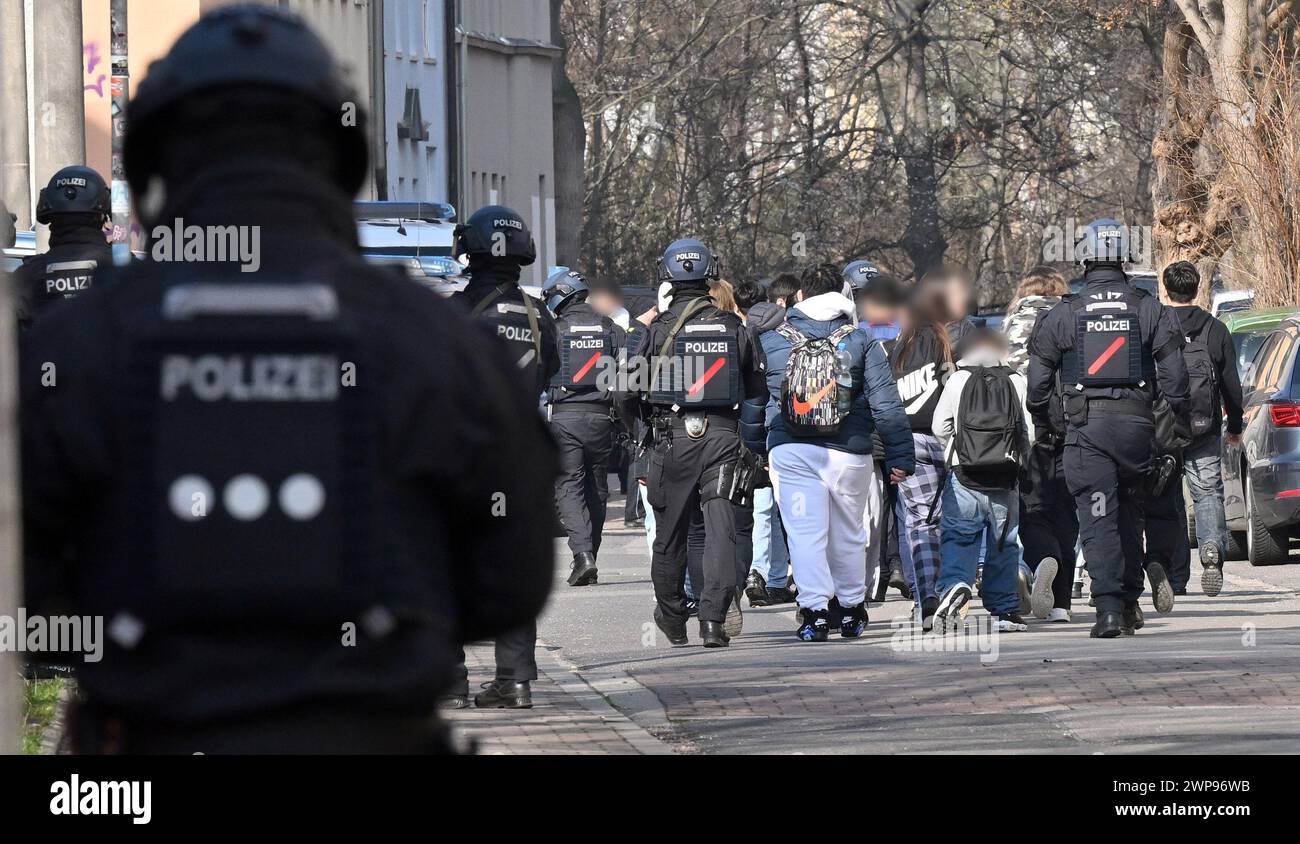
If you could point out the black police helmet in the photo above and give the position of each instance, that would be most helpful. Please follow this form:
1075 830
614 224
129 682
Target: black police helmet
1104 241
860 273
241 46
561 286
498 234
74 190
687 260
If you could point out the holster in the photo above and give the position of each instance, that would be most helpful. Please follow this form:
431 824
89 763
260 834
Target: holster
1158 478
732 481
1075 406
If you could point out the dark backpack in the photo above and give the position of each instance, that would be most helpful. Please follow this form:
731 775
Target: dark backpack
1203 382
990 420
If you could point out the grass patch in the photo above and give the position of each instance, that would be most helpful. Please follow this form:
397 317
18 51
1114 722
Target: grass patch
40 698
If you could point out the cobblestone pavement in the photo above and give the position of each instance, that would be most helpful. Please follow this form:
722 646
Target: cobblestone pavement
1216 675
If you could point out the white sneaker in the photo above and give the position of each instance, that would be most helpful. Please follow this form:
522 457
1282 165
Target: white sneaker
1041 597
1059 615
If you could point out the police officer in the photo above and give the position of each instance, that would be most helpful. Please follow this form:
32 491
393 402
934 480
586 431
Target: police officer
75 205
702 364
497 244
276 487
1118 354
580 404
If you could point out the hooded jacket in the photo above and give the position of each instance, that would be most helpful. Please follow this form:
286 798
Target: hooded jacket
763 317
876 405
947 416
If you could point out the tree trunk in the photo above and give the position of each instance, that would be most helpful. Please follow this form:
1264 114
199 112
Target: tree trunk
923 240
570 136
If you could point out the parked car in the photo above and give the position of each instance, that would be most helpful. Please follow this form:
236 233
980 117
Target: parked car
1249 329
1227 301
414 235
1261 474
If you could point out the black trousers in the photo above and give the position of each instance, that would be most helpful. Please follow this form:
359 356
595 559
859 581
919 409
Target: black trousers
677 465
581 490
1049 523
1166 530
1105 462
890 560
516 658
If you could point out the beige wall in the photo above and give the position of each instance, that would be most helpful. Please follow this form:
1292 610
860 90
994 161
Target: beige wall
508 147
154 25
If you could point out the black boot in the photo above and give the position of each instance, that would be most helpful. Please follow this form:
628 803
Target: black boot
584 569
1109 625
505 694
713 634
1131 620
756 589
675 631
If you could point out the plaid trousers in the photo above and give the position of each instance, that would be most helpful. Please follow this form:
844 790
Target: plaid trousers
918 540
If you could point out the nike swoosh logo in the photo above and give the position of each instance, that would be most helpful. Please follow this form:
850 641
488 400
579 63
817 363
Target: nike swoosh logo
804 407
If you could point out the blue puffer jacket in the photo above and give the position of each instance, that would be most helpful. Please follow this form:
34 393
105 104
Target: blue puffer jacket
763 317
876 405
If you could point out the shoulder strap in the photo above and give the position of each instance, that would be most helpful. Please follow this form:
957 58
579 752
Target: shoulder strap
689 311
840 333
791 334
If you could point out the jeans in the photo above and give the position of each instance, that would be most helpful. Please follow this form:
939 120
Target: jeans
969 516
771 556
1205 483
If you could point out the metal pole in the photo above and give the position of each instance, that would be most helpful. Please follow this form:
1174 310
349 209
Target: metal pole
15 175
121 91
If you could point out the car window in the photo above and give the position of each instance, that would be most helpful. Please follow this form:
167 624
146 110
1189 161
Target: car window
1247 345
1256 365
1272 359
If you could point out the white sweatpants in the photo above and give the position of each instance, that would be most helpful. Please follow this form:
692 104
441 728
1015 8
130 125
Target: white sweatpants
823 494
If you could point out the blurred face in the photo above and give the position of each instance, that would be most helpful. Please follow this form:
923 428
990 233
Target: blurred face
603 302
957 294
876 313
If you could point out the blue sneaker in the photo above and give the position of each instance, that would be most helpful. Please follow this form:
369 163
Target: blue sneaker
853 621
814 627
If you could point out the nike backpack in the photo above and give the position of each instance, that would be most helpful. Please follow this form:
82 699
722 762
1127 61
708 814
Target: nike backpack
989 422
817 387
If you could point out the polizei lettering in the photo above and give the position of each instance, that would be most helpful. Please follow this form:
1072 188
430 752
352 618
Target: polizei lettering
514 332
67 284
698 348
251 377
1106 325
596 343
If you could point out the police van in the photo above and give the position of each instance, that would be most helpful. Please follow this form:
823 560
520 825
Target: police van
414 235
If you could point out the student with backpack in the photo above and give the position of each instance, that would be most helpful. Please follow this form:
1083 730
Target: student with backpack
830 387
981 422
1216 401
922 358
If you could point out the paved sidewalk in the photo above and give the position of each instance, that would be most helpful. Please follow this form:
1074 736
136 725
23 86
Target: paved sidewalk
1217 675
568 716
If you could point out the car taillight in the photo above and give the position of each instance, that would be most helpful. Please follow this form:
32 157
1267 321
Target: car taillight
1285 414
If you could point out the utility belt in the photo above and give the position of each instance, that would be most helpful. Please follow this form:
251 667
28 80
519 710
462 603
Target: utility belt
1078 408
733 481
695 423
576 408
